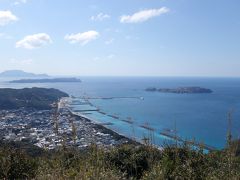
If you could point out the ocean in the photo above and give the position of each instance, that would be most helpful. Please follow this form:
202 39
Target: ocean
202 117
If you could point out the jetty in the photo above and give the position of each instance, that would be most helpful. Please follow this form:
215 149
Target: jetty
170 133
146 126
127 121
113 116
101 112
110 98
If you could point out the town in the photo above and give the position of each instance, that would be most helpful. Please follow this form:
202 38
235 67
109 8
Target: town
51 129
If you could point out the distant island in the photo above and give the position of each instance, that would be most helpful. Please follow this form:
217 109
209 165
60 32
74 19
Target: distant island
52 80
36 98
20 73
181 90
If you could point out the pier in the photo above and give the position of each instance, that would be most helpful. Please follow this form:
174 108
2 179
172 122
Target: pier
102 112
146 126
113 116
127 121
109 98
166 132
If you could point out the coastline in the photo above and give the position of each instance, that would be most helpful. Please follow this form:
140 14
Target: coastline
64 102
117 136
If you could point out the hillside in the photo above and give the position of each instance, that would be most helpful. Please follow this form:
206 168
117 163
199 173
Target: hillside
37 98
23 161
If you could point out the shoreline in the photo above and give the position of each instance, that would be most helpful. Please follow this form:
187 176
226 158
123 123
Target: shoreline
133 140
115 134
104 129
119 136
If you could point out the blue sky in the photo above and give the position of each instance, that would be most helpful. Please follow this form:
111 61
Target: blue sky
121 38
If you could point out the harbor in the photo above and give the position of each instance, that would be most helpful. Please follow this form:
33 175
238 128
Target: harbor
88 110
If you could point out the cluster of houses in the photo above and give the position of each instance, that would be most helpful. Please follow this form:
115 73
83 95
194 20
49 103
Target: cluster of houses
51 129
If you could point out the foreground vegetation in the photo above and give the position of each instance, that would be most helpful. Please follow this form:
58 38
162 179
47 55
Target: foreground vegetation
23 161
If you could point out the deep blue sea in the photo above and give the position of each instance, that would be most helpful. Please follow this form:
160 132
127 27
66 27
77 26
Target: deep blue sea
202 117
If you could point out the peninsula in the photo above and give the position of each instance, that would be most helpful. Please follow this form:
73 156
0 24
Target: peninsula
35 98
48 80
181 90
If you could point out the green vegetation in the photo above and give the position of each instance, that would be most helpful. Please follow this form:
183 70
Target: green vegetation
123 162
19 160
37 98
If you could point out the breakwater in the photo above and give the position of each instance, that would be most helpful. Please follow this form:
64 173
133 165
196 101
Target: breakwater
110 98
111 119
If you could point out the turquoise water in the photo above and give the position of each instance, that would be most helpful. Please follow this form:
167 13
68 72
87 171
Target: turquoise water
199 116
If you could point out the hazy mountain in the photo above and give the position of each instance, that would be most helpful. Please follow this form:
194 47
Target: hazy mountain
20 73
54 80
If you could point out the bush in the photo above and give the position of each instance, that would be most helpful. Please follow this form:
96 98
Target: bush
15 164
123 162
133 161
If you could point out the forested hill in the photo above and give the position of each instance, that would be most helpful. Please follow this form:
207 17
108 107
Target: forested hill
37 98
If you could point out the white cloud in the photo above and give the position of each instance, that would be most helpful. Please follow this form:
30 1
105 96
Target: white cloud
100 17
34 41
82 38
110 41
6 17
18 2
144 15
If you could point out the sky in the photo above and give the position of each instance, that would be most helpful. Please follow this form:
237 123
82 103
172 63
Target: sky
121 38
